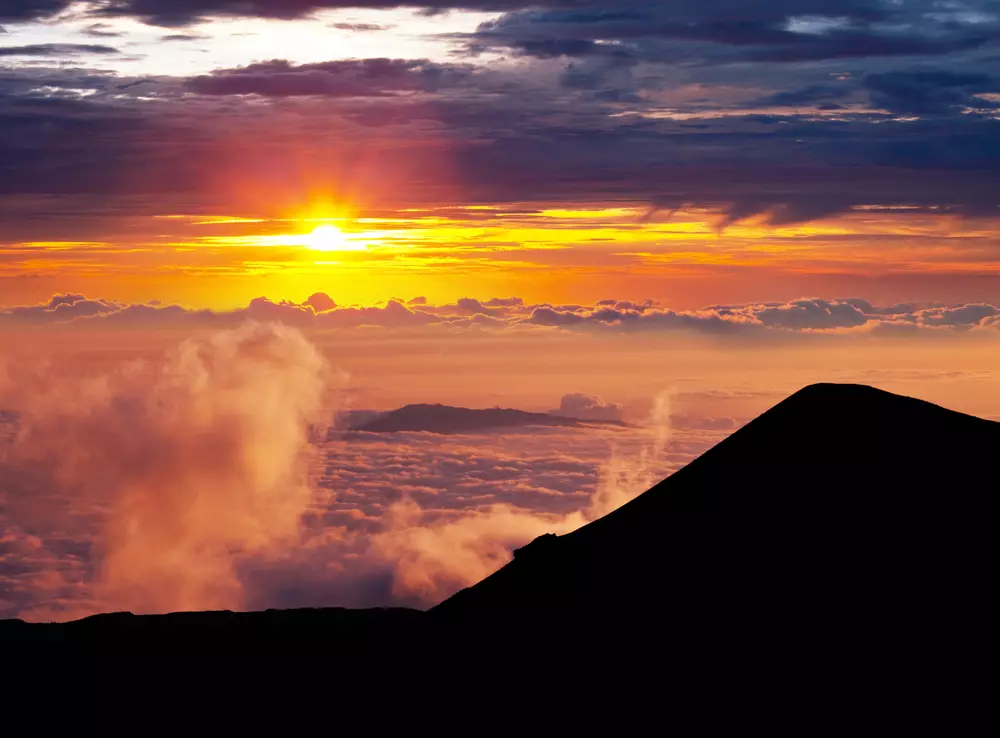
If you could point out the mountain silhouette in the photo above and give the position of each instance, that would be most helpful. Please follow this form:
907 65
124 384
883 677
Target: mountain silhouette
843 516
446 420
844 520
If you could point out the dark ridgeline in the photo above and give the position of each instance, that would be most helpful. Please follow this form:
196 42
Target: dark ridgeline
444 419
846 522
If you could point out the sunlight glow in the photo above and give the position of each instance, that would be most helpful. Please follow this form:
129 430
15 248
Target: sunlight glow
330 238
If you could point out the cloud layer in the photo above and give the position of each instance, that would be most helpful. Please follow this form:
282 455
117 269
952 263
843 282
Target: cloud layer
191 482
807 315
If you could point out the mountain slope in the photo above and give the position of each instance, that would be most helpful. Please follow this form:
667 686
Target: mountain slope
844 510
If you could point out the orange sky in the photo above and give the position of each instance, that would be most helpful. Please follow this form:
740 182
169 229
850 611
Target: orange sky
539 253
185 154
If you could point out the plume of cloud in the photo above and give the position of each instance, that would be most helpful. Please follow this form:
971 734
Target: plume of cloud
626 476
196 459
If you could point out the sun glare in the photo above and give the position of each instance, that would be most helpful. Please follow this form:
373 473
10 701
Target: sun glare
331 238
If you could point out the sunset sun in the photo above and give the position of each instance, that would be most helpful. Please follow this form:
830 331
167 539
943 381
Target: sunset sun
331 238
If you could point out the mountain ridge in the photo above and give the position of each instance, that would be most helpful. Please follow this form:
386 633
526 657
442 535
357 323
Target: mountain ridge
824 464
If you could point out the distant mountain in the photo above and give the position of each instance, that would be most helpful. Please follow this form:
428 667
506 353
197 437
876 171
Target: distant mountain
444 419
846 537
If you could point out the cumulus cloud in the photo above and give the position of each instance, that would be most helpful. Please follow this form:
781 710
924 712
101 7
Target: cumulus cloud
321 302
504 302
62 308
589 407
815 314
196 460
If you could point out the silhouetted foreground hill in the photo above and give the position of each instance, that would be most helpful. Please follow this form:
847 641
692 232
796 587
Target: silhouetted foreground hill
843 516
845 520
447 420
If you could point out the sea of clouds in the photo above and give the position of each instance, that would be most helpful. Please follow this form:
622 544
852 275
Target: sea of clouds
205 479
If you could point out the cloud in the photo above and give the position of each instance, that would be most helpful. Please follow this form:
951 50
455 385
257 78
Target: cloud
815 314
321 302
803 316
822 94
343 78
535 131
724 32
182 37
215 497
197 459
56 50
504 302
589 407
964 316
928 92
62 308
171 13
18 11
102 30
643 319
359 27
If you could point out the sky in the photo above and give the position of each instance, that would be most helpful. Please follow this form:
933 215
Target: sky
224 223
693 152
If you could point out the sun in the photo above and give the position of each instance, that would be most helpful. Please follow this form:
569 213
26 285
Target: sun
331 238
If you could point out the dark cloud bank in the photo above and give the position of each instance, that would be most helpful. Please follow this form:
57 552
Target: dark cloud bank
793 109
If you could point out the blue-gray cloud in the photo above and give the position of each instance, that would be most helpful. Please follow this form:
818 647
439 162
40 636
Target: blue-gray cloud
29 10
670 104
56 50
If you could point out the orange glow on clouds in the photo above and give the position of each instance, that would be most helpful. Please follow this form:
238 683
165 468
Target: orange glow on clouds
540 252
